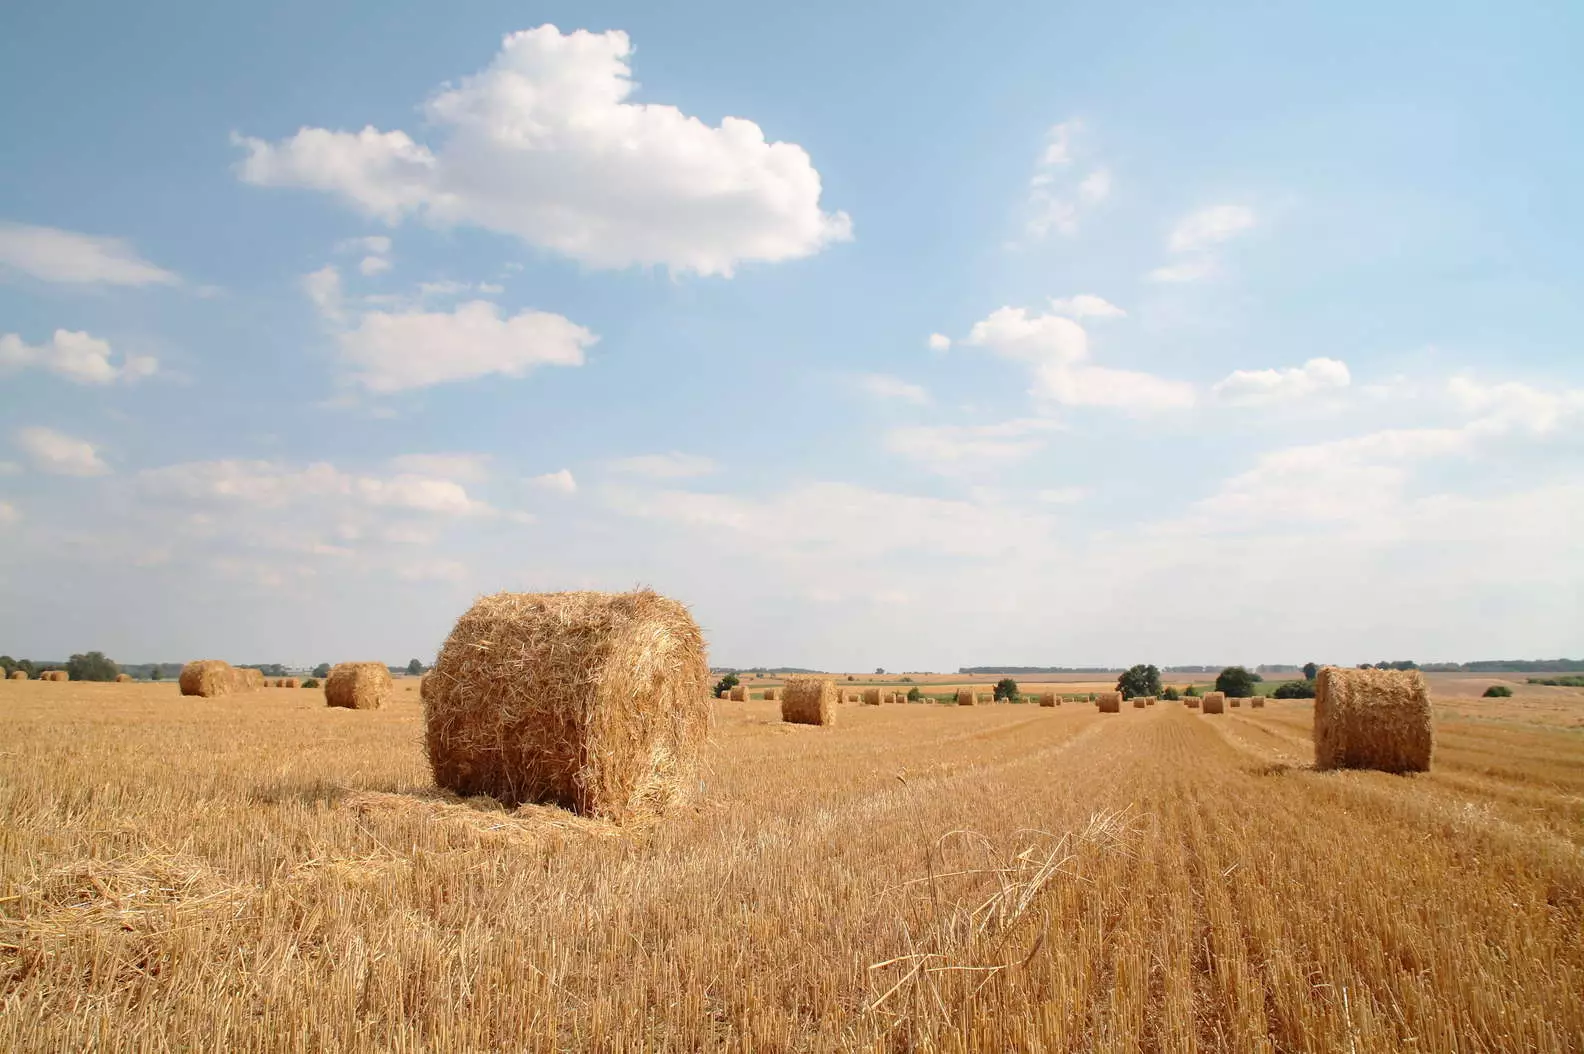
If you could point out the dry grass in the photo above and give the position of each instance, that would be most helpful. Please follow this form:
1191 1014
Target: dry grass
271 874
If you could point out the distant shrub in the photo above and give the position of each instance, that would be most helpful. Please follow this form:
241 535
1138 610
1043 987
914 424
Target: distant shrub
1559 682
1169 693
310 683
1191 692
1498 691
1295 690
1007 689
914 695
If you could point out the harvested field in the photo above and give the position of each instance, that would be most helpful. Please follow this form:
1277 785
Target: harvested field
1155 883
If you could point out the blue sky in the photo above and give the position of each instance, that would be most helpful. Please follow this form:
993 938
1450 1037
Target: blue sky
899 335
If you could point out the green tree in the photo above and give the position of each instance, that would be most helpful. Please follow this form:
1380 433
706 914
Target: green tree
1294 690
322 670
414 668
156 673
1310 671
1236 682
91 667
914 695
1498 691
1139 680
1191 692
7 664
1006 688
726 684
879 671
310 683
1168 693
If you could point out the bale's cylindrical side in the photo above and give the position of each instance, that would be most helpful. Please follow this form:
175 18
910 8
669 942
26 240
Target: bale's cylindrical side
809 701
966 698
208 678
1215 702
1235 701
358 685
1192 701
19 675
1257 702
1372 719
772 694
1139 702
594 701
1109 702
871 697
123 678
290 682
54 675
739 693
1049 699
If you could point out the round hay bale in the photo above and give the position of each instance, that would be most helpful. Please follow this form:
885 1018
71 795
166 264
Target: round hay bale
772 694
123 678
966 698
1049 699
1139 702
871 697
1215 702
1372 719
597 702
358 685
208 678
1235 701
1257 702
53 675
1109 702
809 701
1192 701
18 675
293 682
739 693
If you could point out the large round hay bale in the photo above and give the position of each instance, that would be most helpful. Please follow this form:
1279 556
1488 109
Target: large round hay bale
965 697
18 675
1139 702
358 685
1372 719
1215 702
123 678
1049 699
871 697
208 678
1109 702
1257 702
809 701
1192 701
594 701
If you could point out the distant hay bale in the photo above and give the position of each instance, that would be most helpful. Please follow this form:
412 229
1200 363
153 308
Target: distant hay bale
739 693
1049 699
358 685
596 702
18 675
210 678
1215 702
871 697
1192 701
1372 719
1139 702
1257 702
771 695
1236 700
809 701
292 682
1109 702
966 698
54 675
1149 700
123 678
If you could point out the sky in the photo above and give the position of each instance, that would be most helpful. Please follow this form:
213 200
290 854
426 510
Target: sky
885 335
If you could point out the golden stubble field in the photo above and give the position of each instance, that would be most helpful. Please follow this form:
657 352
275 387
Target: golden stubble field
260 872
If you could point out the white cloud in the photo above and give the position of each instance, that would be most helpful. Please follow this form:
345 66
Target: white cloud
1054 202
673 465
1197 237
1096 187
1086 305
433 571
55 255
884 386
374 245
373 265
1062 495
272 484
560 482
543 144
939 342
76 356
391 351
1057 349
8 514
466 468
1254 387
950 449
59 454
1515 406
